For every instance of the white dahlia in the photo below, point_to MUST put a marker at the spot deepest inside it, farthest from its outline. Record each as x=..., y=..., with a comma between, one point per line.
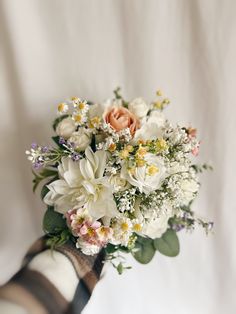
x=82, y=184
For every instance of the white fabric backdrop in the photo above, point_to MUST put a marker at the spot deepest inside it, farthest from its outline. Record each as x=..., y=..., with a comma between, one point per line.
x=54, y=49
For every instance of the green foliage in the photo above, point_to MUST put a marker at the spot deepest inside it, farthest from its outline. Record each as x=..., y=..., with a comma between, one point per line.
x=144, y=250
x=53, y=222
x=44, y=191
x=43, y=174
x=110, y=248
x=58, y=120
x=119, y=96
x=59, y=239
x=201, y=168
x=168, y=244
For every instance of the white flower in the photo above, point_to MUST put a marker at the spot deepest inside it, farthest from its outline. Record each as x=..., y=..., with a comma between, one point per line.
x=122, y=230
x=147, y=178
x=97, y=110
x=118, y=183
x=82, y=184
x=87, y=248
x=66, y=127
x=156, y=227
x=149, y=131
x=178, y=167
x=152, y=127
x=189, y=188
x=158, y=118
x=138, y=107
x=81, y=139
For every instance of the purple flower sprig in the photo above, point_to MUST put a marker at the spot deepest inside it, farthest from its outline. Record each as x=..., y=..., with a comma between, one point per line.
x=41, y=156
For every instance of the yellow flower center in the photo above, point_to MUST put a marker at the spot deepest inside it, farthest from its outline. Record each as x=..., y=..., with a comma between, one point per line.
x=137, y=227
x=80, y=220
x=74, y=98
x=81, y=106
x=152, y=170
x=91, y=231
x=78, y=117
x=61, y=107
x=124, y=226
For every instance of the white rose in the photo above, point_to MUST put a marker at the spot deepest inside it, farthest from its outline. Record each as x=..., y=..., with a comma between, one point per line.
x=190, y=188
x=158, y=118
x=81, y=139
x=149, y=131
x=66, y=127
x=156, y=227
x=118, y=183
x=138, y=107
x=147, y=178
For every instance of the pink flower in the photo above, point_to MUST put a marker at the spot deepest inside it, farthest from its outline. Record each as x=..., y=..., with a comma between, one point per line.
x=195, y=150
x=121, y=118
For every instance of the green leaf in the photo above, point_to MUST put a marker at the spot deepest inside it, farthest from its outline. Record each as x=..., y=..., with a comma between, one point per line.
x=58, y=120
x=53, y=222
x=168, y=244
x=120, y=268
x=144, y=250
x=44, y=191
x=43, y=174
x=110, y=248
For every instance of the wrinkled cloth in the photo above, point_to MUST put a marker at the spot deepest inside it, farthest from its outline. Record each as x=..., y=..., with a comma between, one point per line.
x=51, y=50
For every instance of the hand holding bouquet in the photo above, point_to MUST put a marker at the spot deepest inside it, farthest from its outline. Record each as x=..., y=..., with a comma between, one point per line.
x=120, y=178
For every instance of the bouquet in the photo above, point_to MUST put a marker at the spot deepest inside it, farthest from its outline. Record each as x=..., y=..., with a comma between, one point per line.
x=120, y=178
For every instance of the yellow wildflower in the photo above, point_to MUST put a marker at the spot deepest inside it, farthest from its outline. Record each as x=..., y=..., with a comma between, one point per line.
x=140, y=162
x=159, y=93
x=62, y=107
x=141, y=152
x=124, y=154
x=161, y=144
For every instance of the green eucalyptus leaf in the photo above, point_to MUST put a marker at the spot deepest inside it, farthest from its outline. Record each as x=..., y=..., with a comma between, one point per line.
x=120, y=268
x=144, y=250
x=53, y=222
x=168, y=244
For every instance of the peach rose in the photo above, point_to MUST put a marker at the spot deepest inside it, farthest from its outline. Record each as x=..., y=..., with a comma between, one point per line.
x=120, y=118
